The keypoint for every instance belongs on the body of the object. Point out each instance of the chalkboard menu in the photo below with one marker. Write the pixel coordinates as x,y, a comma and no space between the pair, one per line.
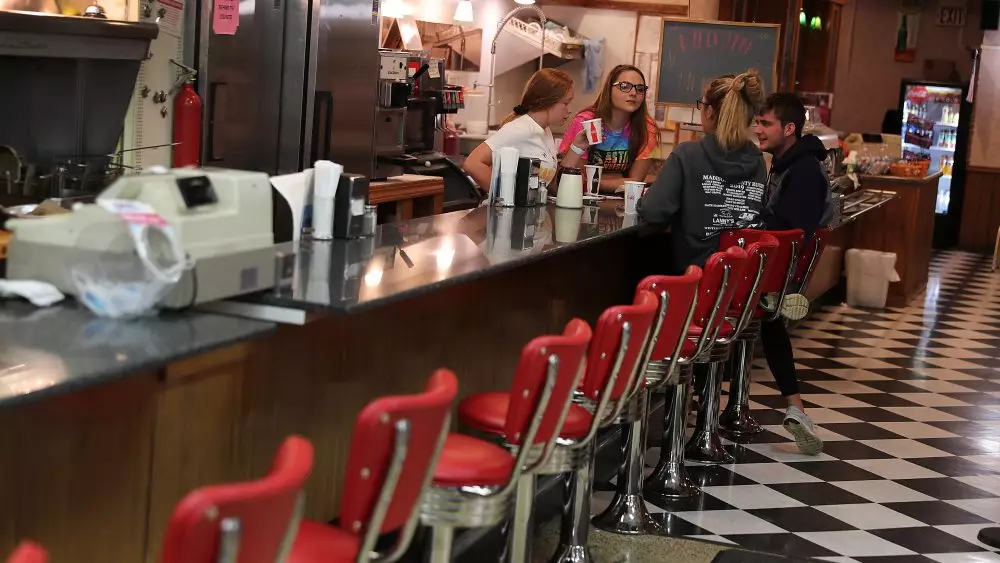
693,53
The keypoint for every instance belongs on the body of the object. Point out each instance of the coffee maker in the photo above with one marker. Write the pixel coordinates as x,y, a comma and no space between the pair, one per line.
394,88
409,136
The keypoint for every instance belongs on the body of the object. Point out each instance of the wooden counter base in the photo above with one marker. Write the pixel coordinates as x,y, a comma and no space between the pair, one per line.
94,475
904,226
412,196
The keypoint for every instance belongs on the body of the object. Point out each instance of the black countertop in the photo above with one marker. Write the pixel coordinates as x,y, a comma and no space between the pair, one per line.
421,255
44,352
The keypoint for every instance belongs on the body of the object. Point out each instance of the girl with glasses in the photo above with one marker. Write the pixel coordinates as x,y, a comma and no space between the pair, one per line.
631,138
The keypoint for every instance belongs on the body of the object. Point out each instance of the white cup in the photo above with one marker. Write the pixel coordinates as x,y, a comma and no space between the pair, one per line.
570,194
633,191
594,130
593,173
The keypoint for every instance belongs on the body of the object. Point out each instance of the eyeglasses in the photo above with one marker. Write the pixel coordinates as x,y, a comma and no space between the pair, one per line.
627,87
700,103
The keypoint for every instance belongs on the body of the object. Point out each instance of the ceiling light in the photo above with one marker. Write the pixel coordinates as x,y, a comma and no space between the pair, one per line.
802,17
463,13
393,9
524,2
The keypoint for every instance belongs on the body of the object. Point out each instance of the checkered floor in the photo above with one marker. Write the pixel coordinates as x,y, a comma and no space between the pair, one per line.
908,401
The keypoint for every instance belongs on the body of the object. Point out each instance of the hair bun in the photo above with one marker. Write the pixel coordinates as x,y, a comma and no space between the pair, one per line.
739,82
520,110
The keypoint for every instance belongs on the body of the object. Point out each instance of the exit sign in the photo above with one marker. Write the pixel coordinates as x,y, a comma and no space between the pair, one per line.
951,16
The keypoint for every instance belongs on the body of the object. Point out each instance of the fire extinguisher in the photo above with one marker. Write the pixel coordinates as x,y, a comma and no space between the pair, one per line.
187,126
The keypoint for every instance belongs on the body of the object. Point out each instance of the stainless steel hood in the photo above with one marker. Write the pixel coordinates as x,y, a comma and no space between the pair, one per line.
67,83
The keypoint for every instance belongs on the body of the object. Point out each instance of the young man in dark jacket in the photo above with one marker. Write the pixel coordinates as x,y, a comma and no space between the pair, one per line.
797,197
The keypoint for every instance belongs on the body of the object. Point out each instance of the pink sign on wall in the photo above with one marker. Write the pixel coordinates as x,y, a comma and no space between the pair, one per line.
225,17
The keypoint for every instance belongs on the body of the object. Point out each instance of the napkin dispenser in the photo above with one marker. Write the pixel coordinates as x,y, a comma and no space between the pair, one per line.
349,206
526,182
504,180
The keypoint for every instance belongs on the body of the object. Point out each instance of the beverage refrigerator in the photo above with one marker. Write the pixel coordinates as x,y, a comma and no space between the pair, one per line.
935,127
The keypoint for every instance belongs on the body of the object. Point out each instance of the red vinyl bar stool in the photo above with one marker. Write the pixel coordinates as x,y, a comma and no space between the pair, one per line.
720,287
705,445
28,552
251,522
669,479
614,362
736,422
627,514
475,482
396,443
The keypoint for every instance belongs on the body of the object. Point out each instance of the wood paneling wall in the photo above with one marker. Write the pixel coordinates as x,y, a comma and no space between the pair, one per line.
981,209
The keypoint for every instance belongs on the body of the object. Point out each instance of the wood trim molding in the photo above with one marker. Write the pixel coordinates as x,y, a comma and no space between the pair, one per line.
983,169
641,7
385,192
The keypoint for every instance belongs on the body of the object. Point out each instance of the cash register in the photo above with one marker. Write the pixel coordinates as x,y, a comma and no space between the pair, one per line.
223,219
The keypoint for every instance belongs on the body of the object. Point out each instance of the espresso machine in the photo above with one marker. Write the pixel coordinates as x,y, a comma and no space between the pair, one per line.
409,130
68,83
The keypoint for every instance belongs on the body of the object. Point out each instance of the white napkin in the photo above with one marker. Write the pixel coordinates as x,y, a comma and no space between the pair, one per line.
295,189
41,294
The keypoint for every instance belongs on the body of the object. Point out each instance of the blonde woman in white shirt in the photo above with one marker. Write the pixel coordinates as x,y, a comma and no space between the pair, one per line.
545,103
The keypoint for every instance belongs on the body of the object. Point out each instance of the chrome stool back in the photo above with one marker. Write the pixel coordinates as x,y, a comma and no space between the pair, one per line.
809,259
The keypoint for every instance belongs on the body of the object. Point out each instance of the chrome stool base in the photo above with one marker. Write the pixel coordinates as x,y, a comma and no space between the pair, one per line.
443,509
705,445
573,554
627,513
576,514
736,422
670,481
442,538
521,529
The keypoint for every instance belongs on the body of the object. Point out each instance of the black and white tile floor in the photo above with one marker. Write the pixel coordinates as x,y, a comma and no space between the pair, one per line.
908,401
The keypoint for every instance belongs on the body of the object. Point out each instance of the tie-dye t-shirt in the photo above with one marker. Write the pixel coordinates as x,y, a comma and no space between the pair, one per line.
612,153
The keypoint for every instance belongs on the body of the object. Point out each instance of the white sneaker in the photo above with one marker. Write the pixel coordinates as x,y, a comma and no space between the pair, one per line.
801,427
769,302
794,306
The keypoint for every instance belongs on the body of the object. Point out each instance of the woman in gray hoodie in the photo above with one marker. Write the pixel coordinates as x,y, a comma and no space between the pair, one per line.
714,184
